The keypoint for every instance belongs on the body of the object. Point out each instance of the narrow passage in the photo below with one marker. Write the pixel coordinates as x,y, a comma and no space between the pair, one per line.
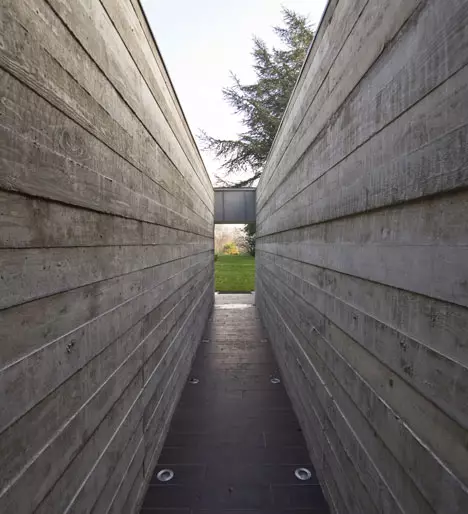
234,443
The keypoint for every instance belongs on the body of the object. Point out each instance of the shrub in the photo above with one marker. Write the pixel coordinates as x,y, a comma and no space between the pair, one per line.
230,249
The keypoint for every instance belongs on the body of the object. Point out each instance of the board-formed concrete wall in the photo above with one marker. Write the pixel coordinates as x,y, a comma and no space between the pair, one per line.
362,256
106,255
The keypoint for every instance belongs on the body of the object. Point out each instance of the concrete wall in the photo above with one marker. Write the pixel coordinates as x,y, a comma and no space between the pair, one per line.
106,261
362,256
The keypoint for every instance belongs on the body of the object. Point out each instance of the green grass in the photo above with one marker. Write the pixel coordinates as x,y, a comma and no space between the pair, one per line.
235,273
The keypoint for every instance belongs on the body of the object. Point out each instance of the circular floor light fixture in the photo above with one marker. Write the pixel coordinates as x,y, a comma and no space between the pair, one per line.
302,474
194,380
165,475
275,380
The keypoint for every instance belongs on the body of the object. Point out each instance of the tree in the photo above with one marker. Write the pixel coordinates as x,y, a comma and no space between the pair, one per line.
245,238
223,234
261,104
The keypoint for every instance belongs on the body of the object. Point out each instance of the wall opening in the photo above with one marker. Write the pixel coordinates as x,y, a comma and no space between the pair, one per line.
234,258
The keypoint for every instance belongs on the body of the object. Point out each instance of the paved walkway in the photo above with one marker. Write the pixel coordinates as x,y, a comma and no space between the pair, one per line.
234,442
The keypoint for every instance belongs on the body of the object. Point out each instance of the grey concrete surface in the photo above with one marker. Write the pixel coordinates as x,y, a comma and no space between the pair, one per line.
362,255
106,255
234,205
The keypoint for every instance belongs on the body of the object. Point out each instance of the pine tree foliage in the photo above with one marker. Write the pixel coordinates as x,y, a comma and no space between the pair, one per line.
262,104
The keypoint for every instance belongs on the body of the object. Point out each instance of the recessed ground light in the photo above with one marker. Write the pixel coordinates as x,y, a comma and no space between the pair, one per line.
275,380
302,474
194,380
205,340
165,475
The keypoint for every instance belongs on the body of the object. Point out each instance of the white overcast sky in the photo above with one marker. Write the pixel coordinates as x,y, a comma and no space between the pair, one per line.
202,41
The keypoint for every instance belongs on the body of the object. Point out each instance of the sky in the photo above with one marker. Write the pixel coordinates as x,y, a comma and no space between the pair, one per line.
202,41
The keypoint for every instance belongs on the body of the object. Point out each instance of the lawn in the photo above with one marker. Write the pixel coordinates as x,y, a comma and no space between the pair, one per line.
235,273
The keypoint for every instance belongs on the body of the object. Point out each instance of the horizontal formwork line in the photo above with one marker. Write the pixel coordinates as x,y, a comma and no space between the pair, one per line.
151,89
437,463
116,245
353,307
14,189
61,381
106,212
58,382
394,202
75,121
366,140
112,85
201,305
446,408
315,412
289,323
295,98
322,314
103,280
351,244
428,356
192,307
173,334
373,210
98,391
443,300
124,472
313,405
59,317
151,40
338,274
105,313
169,415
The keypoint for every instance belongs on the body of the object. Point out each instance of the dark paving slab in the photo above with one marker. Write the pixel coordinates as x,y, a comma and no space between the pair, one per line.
234,441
